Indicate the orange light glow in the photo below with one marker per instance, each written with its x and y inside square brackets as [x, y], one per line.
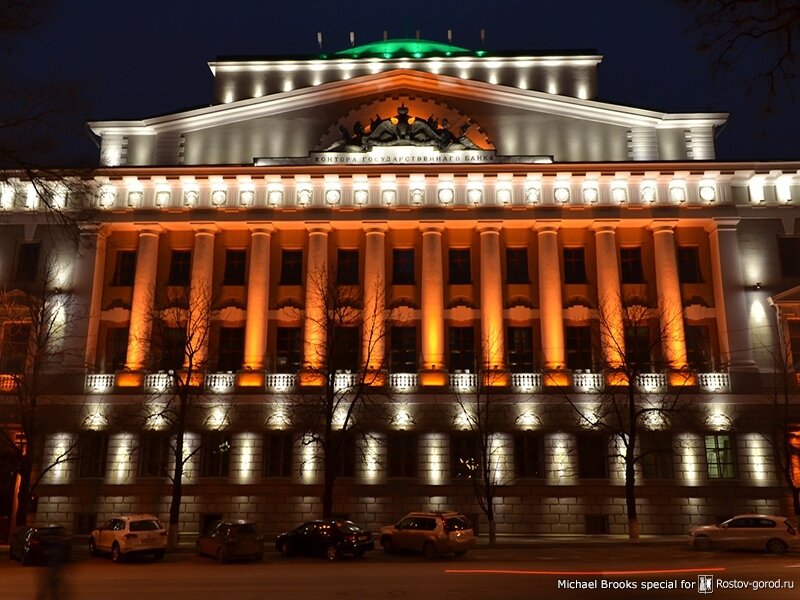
[195, 380]
[794, 442]
[433, 379]
[129, 379]
[310, 379]
[616, 378]
[375, 378]
[681, 378]
[557, 379]
[255, 379]
[496, 378]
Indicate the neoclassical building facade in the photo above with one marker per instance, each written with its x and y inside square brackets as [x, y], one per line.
[488, 215]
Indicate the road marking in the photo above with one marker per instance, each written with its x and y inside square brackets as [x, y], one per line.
[581, 573]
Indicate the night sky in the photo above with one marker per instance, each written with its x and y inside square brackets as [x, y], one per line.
[145, 58]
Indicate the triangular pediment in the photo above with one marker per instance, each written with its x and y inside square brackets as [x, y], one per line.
[787, 297]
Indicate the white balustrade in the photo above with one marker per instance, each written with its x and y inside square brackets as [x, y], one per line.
[7, 383]
[343, 381]
[402, 381]
[157, 382]
[526, 382]
[588, 382]
[714, 382]
[463, 381]
[651, 382]
[97, 383]
[280, 382]
[220, 382]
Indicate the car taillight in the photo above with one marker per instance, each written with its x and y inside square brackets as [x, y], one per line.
[351, 537]
[130, 536]
[791, 530]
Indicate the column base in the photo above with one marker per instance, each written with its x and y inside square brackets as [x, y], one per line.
[556, 379]
[433, 378]
[682, 379]
[311, 379]
[129, 379]
[375, 378]
[616, 379]
[251, 378]
[495, 378]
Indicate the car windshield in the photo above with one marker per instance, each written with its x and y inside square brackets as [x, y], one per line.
[348, 526]
[146, 525]
[457, 524]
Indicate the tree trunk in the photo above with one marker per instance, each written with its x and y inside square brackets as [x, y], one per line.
[492, 532]
[177, 494]
[23, 492]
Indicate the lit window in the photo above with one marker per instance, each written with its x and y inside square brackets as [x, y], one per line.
[720, 457]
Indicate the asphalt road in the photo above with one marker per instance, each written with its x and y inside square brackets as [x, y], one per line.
[617, 570]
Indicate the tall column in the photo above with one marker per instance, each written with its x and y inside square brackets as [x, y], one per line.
[144, 287]
[255, 332]
[200, 292]
[492, 332]
[551, 308]
[373, 344]
[609, 295]
[432, 369]
[729, 301]
[315, 340]
[91, 274]
[670, 306]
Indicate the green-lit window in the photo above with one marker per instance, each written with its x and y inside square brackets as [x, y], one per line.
[720, 456]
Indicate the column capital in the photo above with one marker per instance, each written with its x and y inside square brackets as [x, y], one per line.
[604, 225]
[722, 224]
[489, 227]
[260, 227]
[153, 229]
[663, 225]
[380, 227]
[431, 226]
[204, 228]
[318, 227]
[547, 226]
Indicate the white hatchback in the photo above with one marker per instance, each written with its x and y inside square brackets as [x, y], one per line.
[129, 535]
[753, 532]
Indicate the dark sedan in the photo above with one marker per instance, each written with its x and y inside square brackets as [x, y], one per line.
[40, 544]
[231, 540]
[330, 538]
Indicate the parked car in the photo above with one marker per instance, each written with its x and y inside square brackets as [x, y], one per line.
[129, 535]
[431, 533]
[754, 532]
[330, 538]
[231, 540]
[40, 544]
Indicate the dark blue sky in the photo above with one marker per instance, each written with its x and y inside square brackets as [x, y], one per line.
[149, 57]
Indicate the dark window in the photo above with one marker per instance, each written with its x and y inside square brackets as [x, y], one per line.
[462, 349]
[116, 348]
[278, 452]
[28, 262]
[403, 349]
[401, 450]
[235, 265]
[528, 455]
[574, 265]
[125, 268]
[231, 349]
[154, 454]
[288, 351]
[215, 454]
[689, 265]
[579, 348]
[180, 267]
[656, 452]
[172, 349]
[720, 457]
[789, 255]
[346, 348]
[517, 265]
[520, 349]
[291, 267]
[637, 348]
[403, 266]
[698, 349]
[631, 265]
[347, 267]
[14, 351]
[459, 266]
[592, 457]
[794, 342]
[92, 452]
[344, 453]
[464, 456]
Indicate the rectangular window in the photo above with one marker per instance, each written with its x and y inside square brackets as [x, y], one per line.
[698, 348]
[215, 454]
[403, 355]
[574, 265]
[592, 456]
[459, 270]
[789, 255]
[720, 457]
[14, 351]
[124, 268]
[346, 347]
[154, 454]
[344, 453]
[92, 452]
[630, 260]
[462, 349]
[517, 265]
[579, 348]
[172, 349]
[401, 449]
[656, 452]
[231, 349]
[28, 261]
[278, 453]
[403, 266]
[347, 267]
[637, 348]
[116, 349]
[520, 349]
[463, 454]
[180, 267]
[291, 267]
[288, 351]
[689, 264]
[528, 455]
[235, 266]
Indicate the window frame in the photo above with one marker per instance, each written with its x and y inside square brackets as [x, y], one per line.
[235, 271]
[347, 266]
[180, 271]
[215, 463]
[689, 268]
[124, 268]
[717, 468]
[459, 266]
[574, 265]
[631, 265]
[528, 455]
[403, 266]
[291, 266]
[92, 449]
[517, 267]
[280, 466]
[402, 451]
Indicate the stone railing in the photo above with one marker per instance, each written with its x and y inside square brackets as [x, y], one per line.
[526, 382]
[463, 381]
[7, 383]
[402, 382]
[220, 382]
[651, 382]
[714, 382]
[157, 382]
[588, 382]
[342, 381]
[280, 382]
[98, 383]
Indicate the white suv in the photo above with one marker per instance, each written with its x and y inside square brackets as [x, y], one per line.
[128, 535]
[432, 533]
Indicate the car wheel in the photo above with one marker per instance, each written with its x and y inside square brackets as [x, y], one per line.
[703, 543]
[388, 545]
[429, 550]
[776, 546]
[222, 556]
[331, 552]
[158, 555]
[116, 553]
[92, 547]
[286, 549]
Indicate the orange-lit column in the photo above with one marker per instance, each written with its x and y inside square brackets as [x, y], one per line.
[551, 309]
[200, 292]
[315, 340]
[144, 287]
[373, 350]
[255, 331]
[95, 252]
[670, 306]
[492, 334]
[609, 295]
[432, 371]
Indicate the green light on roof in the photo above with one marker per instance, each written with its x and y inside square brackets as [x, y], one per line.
[403, 48]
